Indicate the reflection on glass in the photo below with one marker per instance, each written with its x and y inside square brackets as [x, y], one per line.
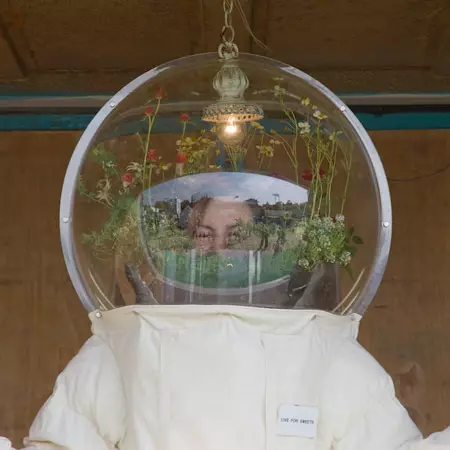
[167, 205]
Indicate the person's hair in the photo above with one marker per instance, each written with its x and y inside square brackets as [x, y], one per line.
[198, 211]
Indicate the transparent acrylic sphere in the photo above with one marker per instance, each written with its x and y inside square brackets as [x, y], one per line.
[316, 201]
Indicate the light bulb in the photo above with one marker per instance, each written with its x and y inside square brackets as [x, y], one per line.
[231, 133]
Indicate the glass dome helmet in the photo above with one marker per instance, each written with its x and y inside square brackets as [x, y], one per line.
[226, 181]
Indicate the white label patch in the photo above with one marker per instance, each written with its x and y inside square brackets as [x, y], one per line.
[299, 421]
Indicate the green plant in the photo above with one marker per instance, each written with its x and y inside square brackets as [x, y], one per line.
[315, 235]
[325, 240]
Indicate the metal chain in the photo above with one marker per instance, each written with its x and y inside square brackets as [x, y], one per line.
[228, 49]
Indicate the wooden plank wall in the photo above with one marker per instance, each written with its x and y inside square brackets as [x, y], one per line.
[409, 319]
[42, 324]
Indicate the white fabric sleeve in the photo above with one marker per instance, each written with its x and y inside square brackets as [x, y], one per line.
[5, 444]
[380, 422]
[87, 409]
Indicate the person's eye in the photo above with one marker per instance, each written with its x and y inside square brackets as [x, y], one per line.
[203, 235]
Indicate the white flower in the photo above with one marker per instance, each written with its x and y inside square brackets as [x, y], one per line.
[266, 150]
[104, 196]
[328, 222]
[330, 259]
[278, 90]
[299, 231]
[274, 142]
[306, 101]
[345, 258]
[334, 135]
[303, 263]
[186, 142]
[134, 167]
[340, 218]
[318, 115]
[103, 191]
[305, 127]
[324, 242]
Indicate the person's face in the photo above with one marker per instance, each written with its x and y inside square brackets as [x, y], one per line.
[219, 223]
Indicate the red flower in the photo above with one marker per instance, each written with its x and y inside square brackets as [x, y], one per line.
[149, 111]
[127, 178]
[160, 93]
[181, 158]
[184, 117]
[307, 175]
[151, 155]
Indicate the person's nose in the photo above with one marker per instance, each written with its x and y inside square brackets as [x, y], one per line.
[220, 241]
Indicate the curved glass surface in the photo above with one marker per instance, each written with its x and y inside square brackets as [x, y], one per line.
[162, 206]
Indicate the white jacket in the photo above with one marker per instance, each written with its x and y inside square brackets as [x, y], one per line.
[225, 378]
